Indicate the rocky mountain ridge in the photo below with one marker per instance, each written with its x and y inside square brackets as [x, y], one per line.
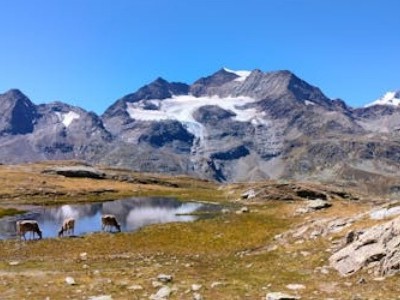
[229, 126]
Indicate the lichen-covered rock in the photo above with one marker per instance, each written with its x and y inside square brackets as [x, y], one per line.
[377, 247]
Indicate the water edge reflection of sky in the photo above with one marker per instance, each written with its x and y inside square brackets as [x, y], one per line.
[131, 213]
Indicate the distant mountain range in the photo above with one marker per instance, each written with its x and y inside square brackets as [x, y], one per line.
[229, 126]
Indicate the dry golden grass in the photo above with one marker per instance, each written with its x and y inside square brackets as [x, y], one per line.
[219, 249]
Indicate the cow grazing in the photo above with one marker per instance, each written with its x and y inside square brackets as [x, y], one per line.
[109, 221]
[67, 226]
[24, 226]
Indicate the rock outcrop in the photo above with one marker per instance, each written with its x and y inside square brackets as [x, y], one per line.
[376, 248]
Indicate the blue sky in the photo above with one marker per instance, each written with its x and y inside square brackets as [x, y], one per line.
[92, 52]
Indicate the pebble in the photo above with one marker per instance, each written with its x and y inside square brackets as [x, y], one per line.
[244, 209]
[215, 284]
[70, 281]
[164, 278]
[14, 263]
[101, 297]
[280, 296]
[379, 278]
[197, 296]
[295, 286]
[162, 293]
[135, 287]
[196, 287]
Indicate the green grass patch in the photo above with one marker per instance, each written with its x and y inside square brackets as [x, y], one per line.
[10, 212]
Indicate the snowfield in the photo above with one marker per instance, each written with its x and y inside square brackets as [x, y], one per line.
[388, 99]
[242, 74]
[181, 108]
[67, 118]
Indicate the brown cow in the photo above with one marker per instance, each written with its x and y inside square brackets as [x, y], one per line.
[110, 221]
[67, 226]
[23, 226]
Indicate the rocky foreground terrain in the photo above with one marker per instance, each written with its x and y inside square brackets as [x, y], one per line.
[275, 239]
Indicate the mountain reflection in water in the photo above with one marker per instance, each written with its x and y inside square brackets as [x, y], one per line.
[131, 213]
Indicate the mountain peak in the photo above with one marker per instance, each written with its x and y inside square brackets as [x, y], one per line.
[18, 113]
[14, 93]
[159, 80]
[390, 98]
[242, 74]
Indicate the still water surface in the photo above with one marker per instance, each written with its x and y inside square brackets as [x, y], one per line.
[132, 213]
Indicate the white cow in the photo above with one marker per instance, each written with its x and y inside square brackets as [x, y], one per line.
[67, 226]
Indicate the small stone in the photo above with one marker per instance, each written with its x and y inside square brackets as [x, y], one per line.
[162, 293]
[215, 284]
[14, 263]
[101, 297]
[324, 271]
[249, 194]
[361, 281]
[197, 296]
[280, 296]
[379, 278]
[196, 287]
[83, 256]
[295, 286]
[135, 287]
[244, 209]
[272, 248]
[70, 281]
[305, 253]
[164, 278]
[225, 211]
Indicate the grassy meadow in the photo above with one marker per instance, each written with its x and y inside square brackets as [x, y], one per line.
[231, 255]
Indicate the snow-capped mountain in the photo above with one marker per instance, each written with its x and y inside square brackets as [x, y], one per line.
[390, 98]
[57, 130]
[229, 126]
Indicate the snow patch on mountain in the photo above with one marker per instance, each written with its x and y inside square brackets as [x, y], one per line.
[67, 118]
[308, 102]
[390, 98]
[181, 108]
[243, 74]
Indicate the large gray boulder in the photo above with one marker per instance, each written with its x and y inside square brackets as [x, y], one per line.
[377, 247]
[77, 171]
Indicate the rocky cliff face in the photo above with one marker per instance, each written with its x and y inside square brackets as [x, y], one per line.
[18, 113]
[48, 131]
[229, 126]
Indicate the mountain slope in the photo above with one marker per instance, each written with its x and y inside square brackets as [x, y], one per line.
[48, 131]
[239, 125]
[228, 126]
